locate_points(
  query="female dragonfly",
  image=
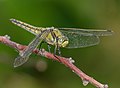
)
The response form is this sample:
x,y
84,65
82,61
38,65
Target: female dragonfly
x,y
59,37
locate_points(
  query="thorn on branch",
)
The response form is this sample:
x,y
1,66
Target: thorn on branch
x,y
8,37
85,82
71,60
105,86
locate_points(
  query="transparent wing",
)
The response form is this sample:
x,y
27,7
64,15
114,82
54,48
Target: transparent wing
x,y
80,40
24,56
83,37
88,31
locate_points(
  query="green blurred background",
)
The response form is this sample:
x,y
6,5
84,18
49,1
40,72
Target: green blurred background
x,y
102,62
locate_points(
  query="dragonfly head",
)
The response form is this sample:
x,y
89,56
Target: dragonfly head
x,y
63,41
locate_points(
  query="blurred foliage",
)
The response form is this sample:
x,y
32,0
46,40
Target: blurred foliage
x,y
101,62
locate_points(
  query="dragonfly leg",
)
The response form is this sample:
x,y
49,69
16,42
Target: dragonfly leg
x,y
40,46
59,52
57,58
49,48
56,46
55,50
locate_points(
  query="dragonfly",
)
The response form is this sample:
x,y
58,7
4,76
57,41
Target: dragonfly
x,y
58,37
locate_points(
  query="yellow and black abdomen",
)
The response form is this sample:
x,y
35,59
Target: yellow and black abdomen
x,y
34,30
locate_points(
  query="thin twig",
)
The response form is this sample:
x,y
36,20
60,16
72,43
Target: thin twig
x,y
66,61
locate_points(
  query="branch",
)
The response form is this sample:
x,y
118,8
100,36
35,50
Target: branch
x,y
66,61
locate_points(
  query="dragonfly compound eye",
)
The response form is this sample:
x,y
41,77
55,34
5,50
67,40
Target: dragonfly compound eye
x,y
63,42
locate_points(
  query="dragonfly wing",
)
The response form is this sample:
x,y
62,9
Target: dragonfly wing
x,y
88,31
27,52
19,61
79,40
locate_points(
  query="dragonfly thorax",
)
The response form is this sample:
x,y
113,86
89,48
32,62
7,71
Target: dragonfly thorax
x,y
56,38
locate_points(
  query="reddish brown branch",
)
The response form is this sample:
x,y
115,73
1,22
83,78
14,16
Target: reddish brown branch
x,y
66,61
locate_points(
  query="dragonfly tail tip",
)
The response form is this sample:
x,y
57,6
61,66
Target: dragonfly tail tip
x,y
12,19
15,65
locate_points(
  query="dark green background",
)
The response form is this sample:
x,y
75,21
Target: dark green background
x,y
101,62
